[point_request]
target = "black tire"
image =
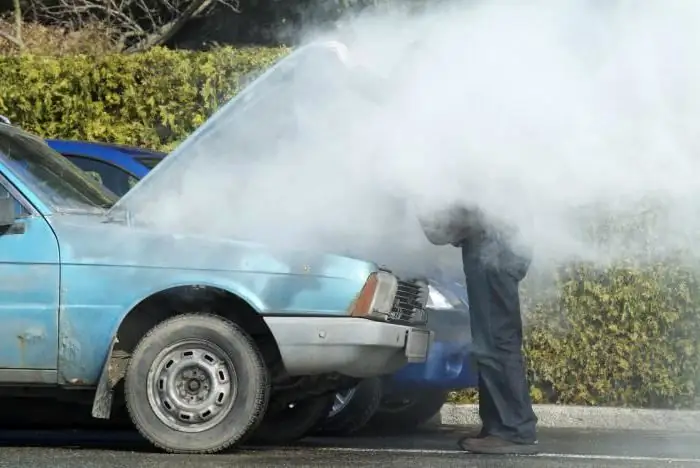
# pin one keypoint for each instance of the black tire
(209, 339)
(408, 411)
(358, 410)
(290, 424)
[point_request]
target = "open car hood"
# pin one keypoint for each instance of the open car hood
(235, 136)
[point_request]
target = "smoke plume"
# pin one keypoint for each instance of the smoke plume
(546, 115)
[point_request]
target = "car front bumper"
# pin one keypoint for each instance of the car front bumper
(448, 365)
(354, 347)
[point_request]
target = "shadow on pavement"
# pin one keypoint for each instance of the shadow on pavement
(76, 439)
(71, 427)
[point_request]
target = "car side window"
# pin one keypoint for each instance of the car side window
(20, 210)
(113, 177)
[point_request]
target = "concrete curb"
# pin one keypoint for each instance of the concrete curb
(585, 417)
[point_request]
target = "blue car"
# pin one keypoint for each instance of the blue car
(404, 399)
(240, 342)
(117, 167)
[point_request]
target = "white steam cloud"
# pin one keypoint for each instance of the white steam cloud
(541, 113)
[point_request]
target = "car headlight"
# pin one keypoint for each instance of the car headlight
(377, 297)
(442, 299)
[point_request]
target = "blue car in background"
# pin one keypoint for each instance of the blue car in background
(414, 394)
(405, 399)
(118, 167)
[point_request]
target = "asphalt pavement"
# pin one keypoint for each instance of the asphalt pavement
(572, 448)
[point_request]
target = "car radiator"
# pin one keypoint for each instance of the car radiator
(409, 303)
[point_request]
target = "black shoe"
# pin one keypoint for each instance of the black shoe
(493, 445)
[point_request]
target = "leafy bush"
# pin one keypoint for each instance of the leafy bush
(152, 99)
(624, 336)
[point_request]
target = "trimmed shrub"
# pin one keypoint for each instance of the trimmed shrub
(152, 99)
(625, 336)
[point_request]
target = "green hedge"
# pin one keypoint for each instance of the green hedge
(626, 336)
(152, 99)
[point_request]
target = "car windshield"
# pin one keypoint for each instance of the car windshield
(56, 180)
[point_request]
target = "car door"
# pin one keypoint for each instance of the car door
(113, 177)
(29, 294)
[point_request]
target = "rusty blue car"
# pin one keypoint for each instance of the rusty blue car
(203, 342)
(407, 398)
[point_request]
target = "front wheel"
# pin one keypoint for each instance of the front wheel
(408, 411)
(353, 408)
(196, 383)
(292, 422)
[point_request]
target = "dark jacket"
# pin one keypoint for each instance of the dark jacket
(493, 243)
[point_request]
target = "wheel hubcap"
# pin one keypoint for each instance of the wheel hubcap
(341, 401)
(191, 386)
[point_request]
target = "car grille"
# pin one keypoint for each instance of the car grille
(409, 303)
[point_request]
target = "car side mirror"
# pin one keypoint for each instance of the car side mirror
(7, 210)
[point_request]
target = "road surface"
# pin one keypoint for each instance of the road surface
(434, 448)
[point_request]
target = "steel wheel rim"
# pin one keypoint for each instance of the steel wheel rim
(191, 385)
(341, 400)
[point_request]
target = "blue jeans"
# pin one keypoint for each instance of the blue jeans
(493, 272)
